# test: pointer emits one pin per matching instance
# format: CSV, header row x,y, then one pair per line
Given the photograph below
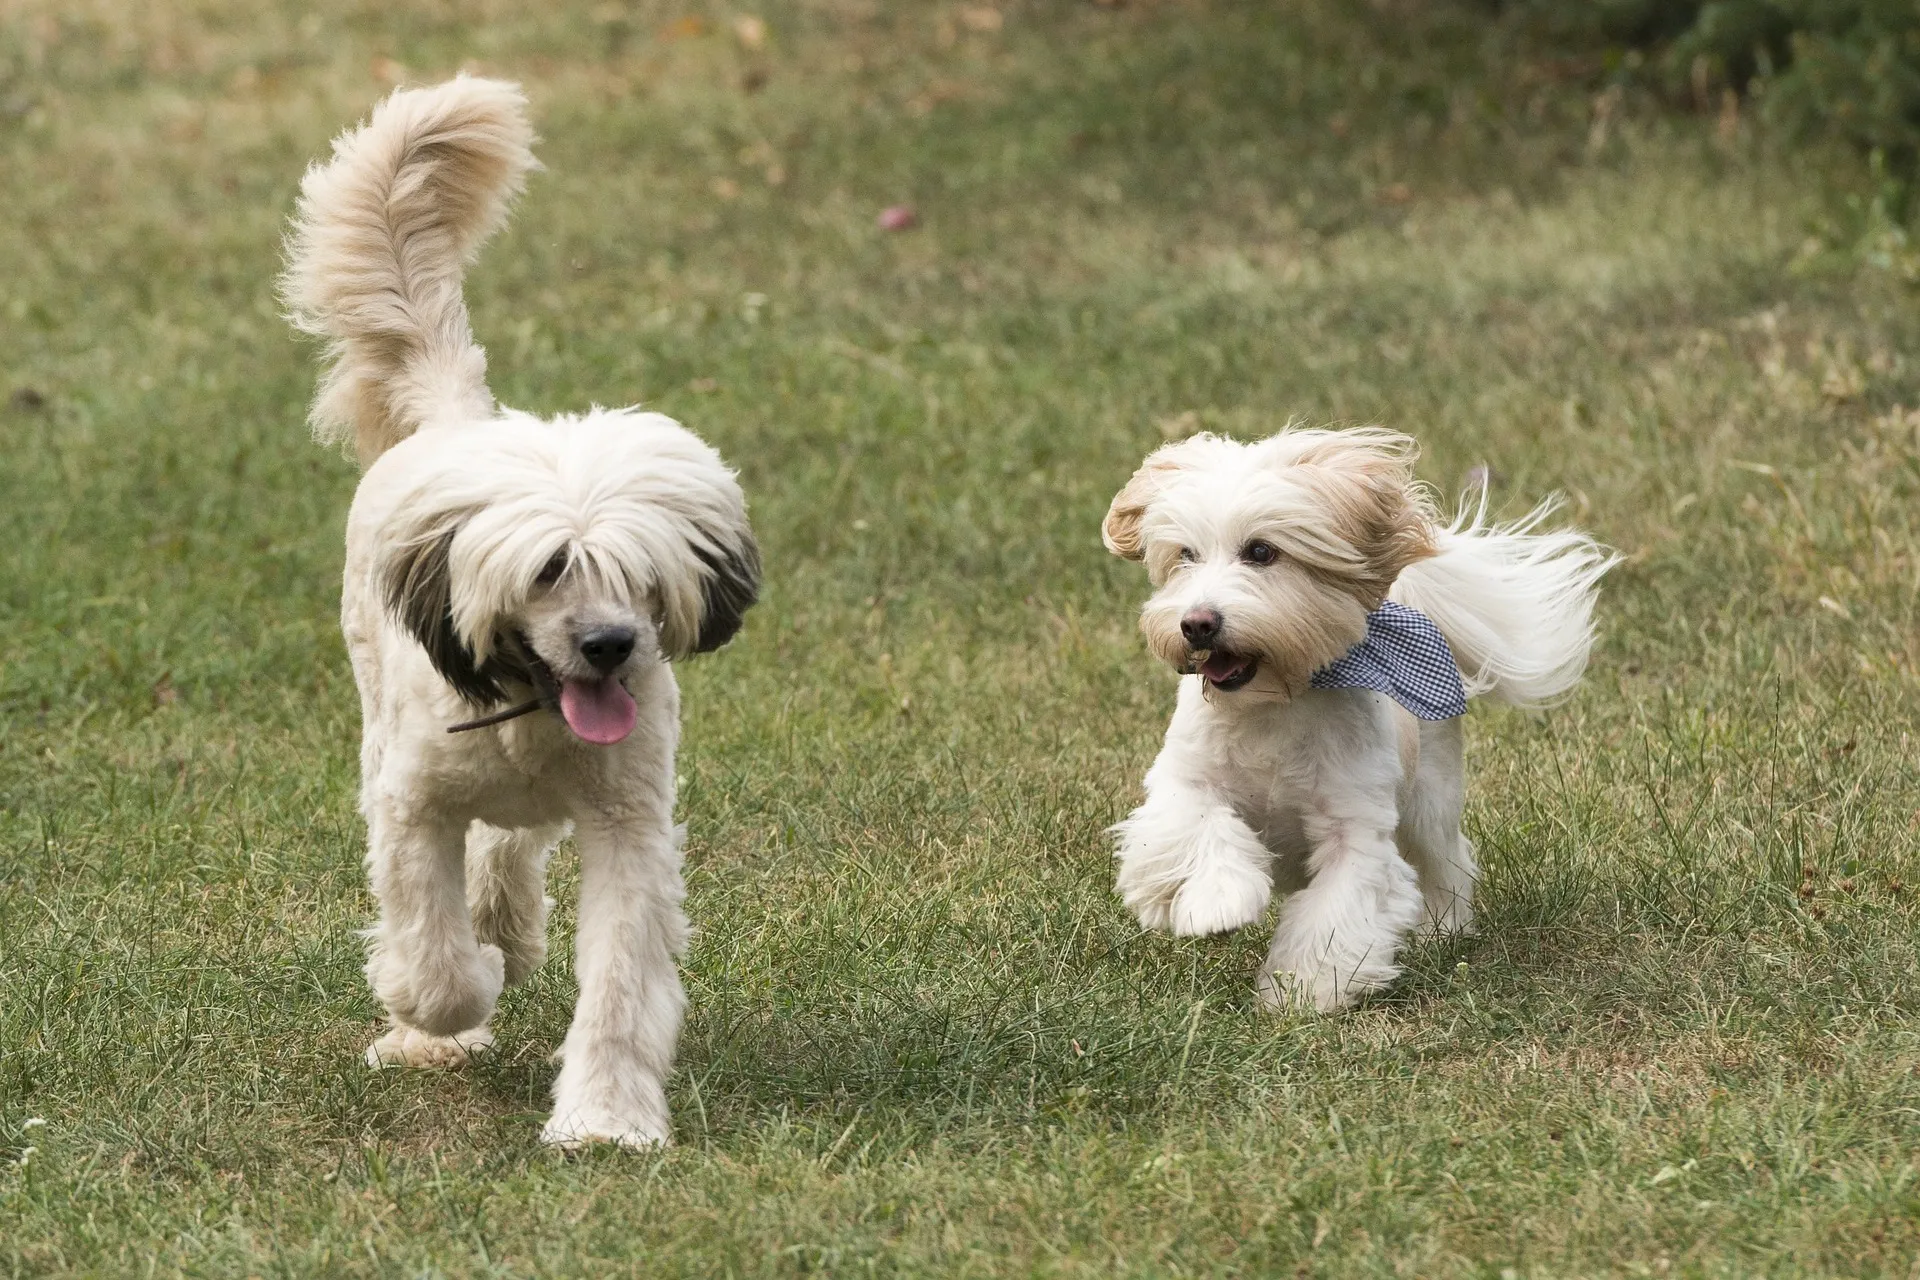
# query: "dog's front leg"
x,y
436,979
617,1055
1189,864
1339,936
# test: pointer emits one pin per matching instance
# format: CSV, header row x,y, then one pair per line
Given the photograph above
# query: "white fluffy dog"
x,y
515,590
1316,738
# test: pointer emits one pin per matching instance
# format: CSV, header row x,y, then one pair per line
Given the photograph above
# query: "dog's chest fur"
x,y
1337,751
527,772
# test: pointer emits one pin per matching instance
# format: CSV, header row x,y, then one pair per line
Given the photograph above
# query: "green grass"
x,y
924,1036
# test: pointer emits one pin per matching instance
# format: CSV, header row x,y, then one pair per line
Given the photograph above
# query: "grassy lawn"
x,y
924,1036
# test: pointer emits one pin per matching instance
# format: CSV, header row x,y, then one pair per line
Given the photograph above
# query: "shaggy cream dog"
x,y
1330,630
515,590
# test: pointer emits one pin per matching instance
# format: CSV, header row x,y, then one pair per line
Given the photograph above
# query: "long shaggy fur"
x,y
1266,559
515,592
381,239
638,508
1514,601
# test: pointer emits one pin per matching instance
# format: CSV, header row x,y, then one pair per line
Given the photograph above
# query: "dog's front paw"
x,y
405,1046
584,1127
444,993
1284,992
1320,988
1152,905
1189,865
1219,898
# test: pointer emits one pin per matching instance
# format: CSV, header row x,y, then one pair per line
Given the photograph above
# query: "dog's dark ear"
x,y
730,589
419,591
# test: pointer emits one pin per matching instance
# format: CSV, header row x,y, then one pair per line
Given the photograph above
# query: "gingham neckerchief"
x,y
1405,657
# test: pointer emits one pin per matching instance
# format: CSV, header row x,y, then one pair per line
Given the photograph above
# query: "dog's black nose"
x,y
607,648
1201,627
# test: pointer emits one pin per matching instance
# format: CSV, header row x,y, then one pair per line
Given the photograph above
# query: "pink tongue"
x,y
598,711
1220,666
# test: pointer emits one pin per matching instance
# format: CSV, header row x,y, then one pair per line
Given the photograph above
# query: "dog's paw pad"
x,y
405,1046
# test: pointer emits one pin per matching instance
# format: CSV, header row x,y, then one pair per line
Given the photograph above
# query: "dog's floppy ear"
x,y
419,591
1121,529
729,588
726,568
1365,478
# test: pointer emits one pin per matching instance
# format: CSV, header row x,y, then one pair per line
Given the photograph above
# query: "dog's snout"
x,y
607,647
1201,627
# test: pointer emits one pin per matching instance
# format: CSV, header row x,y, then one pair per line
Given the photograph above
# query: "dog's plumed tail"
x,y
383,235
1515,604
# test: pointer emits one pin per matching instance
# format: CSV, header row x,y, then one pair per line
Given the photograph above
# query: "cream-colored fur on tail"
x,y
382,237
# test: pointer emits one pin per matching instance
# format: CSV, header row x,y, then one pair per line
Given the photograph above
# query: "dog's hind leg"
x,y
1430,837
507,891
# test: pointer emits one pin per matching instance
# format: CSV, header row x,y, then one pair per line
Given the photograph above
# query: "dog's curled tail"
x,y
384,232
1515,604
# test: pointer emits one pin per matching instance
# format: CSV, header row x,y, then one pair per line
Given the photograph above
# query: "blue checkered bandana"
x,y
1405,657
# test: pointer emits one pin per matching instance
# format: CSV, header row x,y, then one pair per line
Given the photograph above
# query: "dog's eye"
x,y
1258,552
1187,556
551,571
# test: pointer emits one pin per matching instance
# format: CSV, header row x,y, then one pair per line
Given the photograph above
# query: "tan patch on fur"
x,y
1121,529
1364,481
